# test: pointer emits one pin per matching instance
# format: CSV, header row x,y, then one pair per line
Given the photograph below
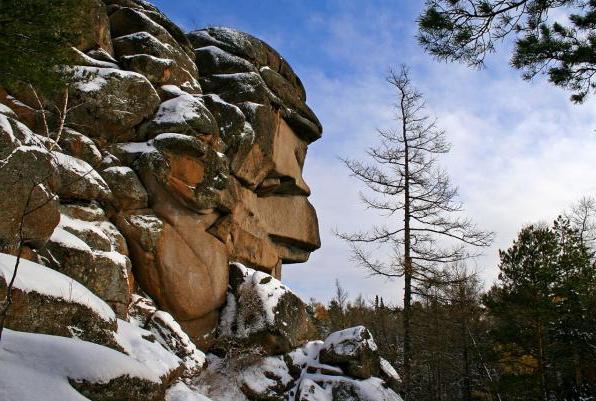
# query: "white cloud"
x,y
522,152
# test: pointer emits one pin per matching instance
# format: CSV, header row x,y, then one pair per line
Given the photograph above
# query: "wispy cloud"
x,y
521,151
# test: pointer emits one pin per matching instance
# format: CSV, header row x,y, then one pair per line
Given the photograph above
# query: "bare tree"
x,y
424,231
582,218
5,305
62,114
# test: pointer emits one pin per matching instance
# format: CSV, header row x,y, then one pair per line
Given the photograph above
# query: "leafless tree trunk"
x,y
581,217
62,115
407,183
8,300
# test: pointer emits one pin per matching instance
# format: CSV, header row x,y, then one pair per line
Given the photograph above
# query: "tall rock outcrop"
x,y
189,148
159,218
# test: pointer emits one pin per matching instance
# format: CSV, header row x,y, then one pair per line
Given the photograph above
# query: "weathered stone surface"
x,y
213,60
110,102
161,71
92,26
354,350
126,187
262,312
126,21
88,248
41,307
237,88
303,234
233,129
80,146
180,266
78,180
188,169
29,174
168,333
248,47
184,114
145,43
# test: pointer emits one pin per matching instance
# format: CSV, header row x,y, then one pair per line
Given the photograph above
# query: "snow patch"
x,y
350,341
181,392
32,277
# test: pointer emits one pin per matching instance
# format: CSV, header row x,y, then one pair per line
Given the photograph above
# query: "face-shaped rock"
x,y
201,139
223,171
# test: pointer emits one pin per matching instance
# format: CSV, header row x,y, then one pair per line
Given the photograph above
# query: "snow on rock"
x,y
354,350
68,240
307,355
71,358
185,114
7,111
389,370
350,341
91,250
129,152
173,90
171,336
110,102
84,59
261,311
265,379
167,331
33,277
158,361
93,79
79,180
37,367
181,392
220,381
311,391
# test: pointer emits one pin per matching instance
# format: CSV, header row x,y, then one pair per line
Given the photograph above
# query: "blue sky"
x,y
521,151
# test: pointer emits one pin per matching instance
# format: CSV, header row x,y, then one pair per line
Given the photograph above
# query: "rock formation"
x,y
182,153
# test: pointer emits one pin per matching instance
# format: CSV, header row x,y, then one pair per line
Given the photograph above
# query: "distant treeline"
x,y
532,336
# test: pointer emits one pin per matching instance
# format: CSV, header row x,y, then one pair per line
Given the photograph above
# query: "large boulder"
x,y
262,312
184,114
47,302
181,72
128,191
90,249
79,181
111,102
183,268
80,146
92,26
354,350
28,172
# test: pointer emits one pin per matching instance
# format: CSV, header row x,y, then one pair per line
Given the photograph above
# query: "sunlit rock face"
x,y
184,153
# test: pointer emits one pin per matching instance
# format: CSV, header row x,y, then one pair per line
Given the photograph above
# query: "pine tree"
x,y
35,41
466,31
543,315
